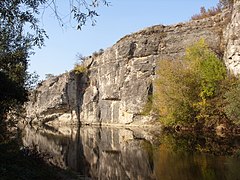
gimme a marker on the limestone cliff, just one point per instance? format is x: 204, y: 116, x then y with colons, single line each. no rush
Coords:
x: 117, y: 83
x: 232, y: 38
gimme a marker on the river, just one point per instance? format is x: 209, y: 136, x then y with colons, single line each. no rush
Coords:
x: 136, y: 153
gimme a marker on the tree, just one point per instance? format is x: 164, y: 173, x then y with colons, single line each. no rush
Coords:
x: 232, y: 100
x: 15, y: 44
x: 210, y: 69
x: 81, y: 11
x: 176, y: 90
x: 185, y: 89
x: 210, y: 72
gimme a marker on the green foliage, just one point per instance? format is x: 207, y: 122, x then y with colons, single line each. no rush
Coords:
x: 232, y: 100
x: 175, y: 91
x: 13, y: 78
x: 148, y: 106
x: 14, y: 50
x: 16, y: 43
x: 207, y: 68
x: 81, y: 11
x: 185, y: 89
x: 80, y: 68
x: 15, y: 16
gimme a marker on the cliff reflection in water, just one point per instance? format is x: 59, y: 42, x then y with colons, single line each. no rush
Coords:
x: 115, y: 153
x: 100, y: 153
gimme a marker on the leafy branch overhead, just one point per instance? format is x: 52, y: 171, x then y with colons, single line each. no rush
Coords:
x: 16, y: 15
x: 81, y: 11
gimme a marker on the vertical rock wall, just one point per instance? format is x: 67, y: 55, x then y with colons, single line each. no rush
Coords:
x: 232, y: 38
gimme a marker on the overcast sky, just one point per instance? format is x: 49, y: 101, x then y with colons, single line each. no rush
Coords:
x: 121, y: 18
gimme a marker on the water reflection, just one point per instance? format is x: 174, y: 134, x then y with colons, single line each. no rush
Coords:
x: 118, y: 153
x: 100, y: 153
x: 202, y: 156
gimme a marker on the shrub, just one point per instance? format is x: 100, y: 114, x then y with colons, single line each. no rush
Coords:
x: 175, y: 92
x: 185, y: 89
x: 209, y: 71
x: 80, y: 68
x: 206, y: 13
x: 148, y: 106
x: 226, y: 3
x: 207, y: 66
x: 222, y: 4
x: 81, y: 58
x: 98, y: 53
x: 47, y: 76
x: 232, y: 100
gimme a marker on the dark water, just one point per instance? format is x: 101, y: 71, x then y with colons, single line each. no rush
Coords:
x: 118, y: 153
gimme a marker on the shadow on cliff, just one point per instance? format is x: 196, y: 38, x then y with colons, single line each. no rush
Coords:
x: 82, y: 83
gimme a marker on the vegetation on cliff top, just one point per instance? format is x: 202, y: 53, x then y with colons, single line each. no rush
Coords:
x: 204, y: 13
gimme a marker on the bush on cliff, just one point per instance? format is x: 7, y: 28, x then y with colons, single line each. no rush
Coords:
x: 79, y: 68
x: 187, y: 90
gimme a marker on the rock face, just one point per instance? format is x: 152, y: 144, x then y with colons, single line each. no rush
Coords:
x: 118, y: 82
x: 232, y: 38
x: 57, y: 98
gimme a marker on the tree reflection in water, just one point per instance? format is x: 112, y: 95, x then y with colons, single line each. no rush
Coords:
x: 202, y: 156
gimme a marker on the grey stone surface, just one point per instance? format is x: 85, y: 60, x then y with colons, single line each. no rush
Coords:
x: 232, y: 38
x: 118, y: 82
x: 57, y: 100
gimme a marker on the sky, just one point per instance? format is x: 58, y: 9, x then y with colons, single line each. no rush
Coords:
x: 122, y: 17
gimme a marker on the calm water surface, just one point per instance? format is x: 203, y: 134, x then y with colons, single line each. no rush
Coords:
x: 119, y: 153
